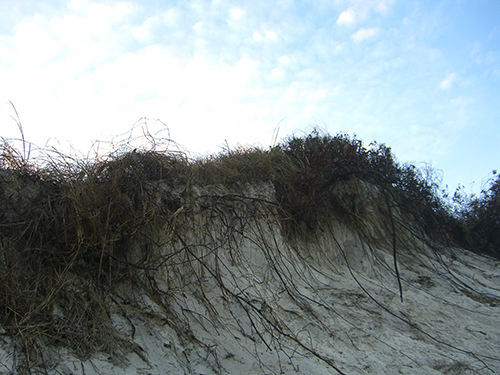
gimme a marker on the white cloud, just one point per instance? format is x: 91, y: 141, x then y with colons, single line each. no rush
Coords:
x: 284, y: 59
x: 33, y: 42
x: 88, y: 20
x: 115, y: 13
x: 171, y: 17
x: 383, y: 5
x: 268, y: 35
x: 347, y: 17
x: 152, y: 25
x: 363, y: 33
x: 236, y: 13
x: 92, y: 31
x: 448, y: 81
x: 242, y: 72
x: 316, y: 96
x: 198, y: 26
x: 257, y: 36
x: 142, y: 33
x: 362, y: 10
x: 276, y: 75
x: 288, y: 97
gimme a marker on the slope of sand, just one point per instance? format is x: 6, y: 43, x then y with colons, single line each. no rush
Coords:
x: 240, y: 299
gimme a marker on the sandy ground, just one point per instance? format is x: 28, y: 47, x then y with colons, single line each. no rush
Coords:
x: 448, y: 323
x: 261, y: 307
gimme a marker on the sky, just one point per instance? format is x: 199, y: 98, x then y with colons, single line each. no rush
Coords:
x: 422, y: 77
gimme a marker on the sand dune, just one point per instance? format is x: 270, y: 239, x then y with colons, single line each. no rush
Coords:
x: 232, y: 295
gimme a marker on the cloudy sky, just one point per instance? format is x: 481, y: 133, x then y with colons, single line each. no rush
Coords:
x: 423, y: 77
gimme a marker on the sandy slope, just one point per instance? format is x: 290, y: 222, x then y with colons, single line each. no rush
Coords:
x: 250, y: 303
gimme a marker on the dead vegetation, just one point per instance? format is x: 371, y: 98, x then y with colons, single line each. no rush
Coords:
x: 78, y: 236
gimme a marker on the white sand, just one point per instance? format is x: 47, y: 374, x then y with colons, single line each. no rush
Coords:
x: 305, y: 311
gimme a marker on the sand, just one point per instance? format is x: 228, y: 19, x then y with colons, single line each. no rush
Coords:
x: 260, y: 305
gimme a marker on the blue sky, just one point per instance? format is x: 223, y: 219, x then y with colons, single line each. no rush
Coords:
x: 422, y: 77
